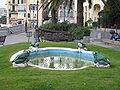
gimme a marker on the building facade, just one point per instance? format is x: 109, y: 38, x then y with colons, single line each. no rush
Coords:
x: 3, y: 12
x: 89, y: 13
x: 21, y: 11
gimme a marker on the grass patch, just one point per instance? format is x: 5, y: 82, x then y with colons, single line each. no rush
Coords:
x: 31, y: 78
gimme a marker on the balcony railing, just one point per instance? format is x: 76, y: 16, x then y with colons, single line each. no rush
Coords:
x: 21, y: 10
x: 13, y: 10
x: 12, y: 19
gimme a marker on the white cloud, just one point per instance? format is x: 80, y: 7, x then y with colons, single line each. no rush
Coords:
x: 2, y: 3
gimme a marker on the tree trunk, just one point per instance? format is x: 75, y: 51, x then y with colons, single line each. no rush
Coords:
x: 54, y: 16
x: 80, y: 12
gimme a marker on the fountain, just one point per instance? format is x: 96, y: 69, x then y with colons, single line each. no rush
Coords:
x: 56, y: 58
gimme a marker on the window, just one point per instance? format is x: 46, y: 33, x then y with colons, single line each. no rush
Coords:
x: 13, y: 1
x: 20, y: 15
x: 66, y: 14
x: 33, y: 7
x: 61, y: 13
x: 71, y: 14
x: 33, y: 1
x: 20, y: 1
x: 21, y: 7
x: 73, y: 3
x: 24, y: 14
x: 9, y: 15
x: 13, y: 8
x: 85, y: 16
x: 28, y: 15
x: 60, y: 7
x: 85, y: 8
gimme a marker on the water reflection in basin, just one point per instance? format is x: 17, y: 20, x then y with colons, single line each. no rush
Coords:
x: 60, y: 63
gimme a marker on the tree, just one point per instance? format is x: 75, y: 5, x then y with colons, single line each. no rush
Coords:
x: 111, y: 14
x: 80, y: 12
x: 54, y: 5
x: 3, y: 20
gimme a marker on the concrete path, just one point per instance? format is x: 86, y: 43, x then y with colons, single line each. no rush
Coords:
x: 18, y: 38
x: 98, y: 43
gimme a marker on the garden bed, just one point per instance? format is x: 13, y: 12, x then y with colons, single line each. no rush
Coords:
x: 55, y: 35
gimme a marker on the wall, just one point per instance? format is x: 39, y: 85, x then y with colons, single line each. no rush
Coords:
x: 102, y: 33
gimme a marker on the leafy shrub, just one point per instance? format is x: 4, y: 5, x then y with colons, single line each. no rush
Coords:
x: 94, y: 24
x: 75, y: 31
x: 79, y: 32
x: 86, y: 31
x: 58, y: 26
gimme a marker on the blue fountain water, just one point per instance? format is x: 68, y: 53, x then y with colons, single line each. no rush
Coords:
x: 66, y: 60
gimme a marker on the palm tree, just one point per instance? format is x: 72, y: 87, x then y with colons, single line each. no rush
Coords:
x: 80, y: 12
x: 54, y: 5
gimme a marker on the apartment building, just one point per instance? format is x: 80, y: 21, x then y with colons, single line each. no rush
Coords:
x: 21, y: 11
x: 3, y: 12
x: 89, y: 13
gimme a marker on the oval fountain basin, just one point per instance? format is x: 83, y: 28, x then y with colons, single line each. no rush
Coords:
x: 61, y: 59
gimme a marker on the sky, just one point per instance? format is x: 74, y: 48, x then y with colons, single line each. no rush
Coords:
x: 2, y: 3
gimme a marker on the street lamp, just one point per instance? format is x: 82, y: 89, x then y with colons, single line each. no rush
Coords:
x: 36, y: 28
x: 30, y: 8
x: 64, y: 13
x: 37, y: 12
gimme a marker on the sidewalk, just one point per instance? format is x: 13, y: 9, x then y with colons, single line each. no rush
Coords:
x: 18, y: 38
x: 98, y: 43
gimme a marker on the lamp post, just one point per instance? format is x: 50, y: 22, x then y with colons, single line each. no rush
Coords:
x: 64, y: 13
x: 30, y: 8
x: 37, y: 12
x: 36, y: 28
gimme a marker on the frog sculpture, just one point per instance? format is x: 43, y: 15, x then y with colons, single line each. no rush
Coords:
x: 20, y: 58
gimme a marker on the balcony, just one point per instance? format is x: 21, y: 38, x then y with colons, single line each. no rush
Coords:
x: 10, y: 10
x: 21, y: 10
x: 12, y: 19
x: 13, y: 12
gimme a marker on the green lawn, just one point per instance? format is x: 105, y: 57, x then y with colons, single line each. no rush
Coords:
x: 31, y: 78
